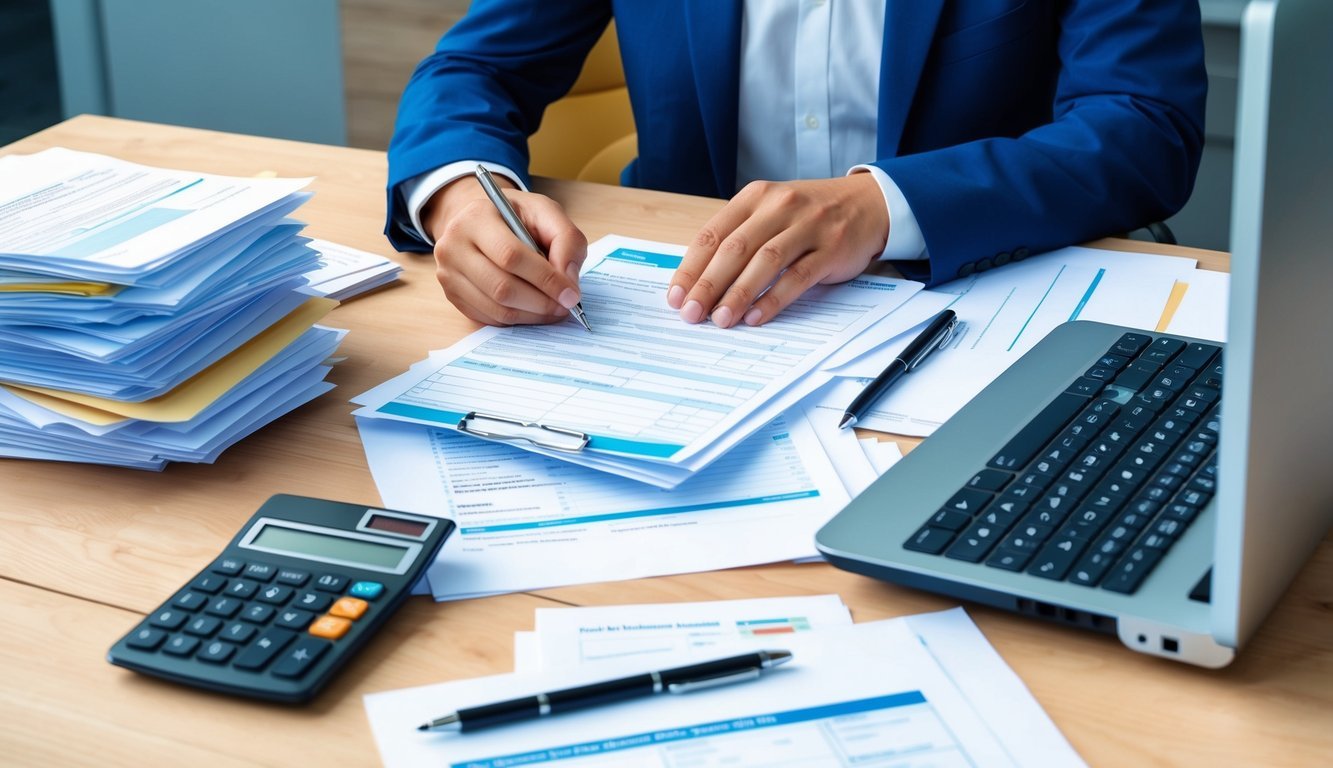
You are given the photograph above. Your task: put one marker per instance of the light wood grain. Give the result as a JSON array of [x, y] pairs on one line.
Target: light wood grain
[[86, 551]]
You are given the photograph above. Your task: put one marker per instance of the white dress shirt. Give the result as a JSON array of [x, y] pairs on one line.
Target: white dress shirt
[[809, 103]]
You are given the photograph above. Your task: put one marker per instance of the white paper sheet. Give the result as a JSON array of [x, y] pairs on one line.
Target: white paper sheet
[[1203, 309], [345, 272], [1004, 312], [529, 522], [867, 694], [596, 635]]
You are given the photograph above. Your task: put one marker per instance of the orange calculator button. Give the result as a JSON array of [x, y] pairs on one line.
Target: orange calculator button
[[332, 627], [349, 608]]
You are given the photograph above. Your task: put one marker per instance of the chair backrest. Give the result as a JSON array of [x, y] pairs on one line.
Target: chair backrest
[[589, 134]]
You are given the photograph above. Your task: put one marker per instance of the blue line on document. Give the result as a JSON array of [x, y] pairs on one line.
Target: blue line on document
[[636, 513], [1049, 288], [700, 731], [596, 386], [644, 257], [118, 233], [1083, 302]]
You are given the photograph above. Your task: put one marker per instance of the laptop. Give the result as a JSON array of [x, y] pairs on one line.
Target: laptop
[[1108, 480]]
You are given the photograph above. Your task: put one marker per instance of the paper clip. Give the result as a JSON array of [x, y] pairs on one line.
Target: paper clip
[[540, 435]]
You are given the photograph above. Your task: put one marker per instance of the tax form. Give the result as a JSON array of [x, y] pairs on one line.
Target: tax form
[[915, 692], [644, 386], [526, 521]]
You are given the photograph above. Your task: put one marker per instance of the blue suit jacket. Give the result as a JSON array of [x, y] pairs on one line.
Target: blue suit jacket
[[1011, 126]]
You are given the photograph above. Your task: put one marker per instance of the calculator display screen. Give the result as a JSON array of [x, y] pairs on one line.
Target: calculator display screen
[[277, 538]]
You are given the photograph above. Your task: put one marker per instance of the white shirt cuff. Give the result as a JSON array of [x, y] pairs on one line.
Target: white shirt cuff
[[905, 242], [417, 190]]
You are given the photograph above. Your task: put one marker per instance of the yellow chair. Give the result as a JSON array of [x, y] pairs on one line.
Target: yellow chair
[[589, 134]]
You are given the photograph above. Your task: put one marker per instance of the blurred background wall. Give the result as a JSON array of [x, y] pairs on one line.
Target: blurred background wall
[[331, 71]]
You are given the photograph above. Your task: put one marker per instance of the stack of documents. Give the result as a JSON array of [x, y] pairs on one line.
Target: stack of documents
[[150, 315], [657, 399], [925, 690], [346, 272]]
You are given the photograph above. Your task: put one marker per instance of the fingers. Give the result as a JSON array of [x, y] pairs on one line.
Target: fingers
[[493, 278]]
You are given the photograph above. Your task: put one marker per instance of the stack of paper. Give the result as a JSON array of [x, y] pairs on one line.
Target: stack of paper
[[346, 272], [150, 315], [924, 690], [658, 399]]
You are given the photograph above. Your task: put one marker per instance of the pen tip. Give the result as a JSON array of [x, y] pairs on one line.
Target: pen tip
[[423, 727], [847, 421]]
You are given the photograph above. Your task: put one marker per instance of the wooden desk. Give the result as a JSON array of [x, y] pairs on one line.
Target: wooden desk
[[87, 551]]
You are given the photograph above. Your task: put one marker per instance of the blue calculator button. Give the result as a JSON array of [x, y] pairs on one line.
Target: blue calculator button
[[367, 590]]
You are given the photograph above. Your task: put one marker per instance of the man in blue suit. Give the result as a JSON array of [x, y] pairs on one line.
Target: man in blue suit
[[950, 136]]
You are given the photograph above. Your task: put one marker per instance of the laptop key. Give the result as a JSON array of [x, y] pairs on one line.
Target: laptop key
[[950, 520], [1056, 558], [968, 501], [1130, 344], [1132, 569], [992, 480], [1038, 432], [931, 541], [976, 541]]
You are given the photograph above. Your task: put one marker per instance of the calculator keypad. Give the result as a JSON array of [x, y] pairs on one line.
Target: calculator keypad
[[257, 617]]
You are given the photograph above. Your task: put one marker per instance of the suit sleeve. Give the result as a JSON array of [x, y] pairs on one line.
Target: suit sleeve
[[484, 89], [1121, 151]]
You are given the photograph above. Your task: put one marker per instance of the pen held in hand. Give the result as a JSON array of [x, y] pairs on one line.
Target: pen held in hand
[[691, 677], [515, 225], [937, 333]]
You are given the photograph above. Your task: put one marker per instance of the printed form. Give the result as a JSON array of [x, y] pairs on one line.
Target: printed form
[[888, 693], [527, 521], [645, 386]]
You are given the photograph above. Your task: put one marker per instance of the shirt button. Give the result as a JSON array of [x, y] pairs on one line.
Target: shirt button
[[811, 122]]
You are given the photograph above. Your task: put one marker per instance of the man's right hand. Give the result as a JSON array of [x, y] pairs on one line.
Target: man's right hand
[[487, 272]]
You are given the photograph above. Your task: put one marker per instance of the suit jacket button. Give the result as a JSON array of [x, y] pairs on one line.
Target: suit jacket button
[[1002, 258], [984, 264], [967, 269], [1021, 253]]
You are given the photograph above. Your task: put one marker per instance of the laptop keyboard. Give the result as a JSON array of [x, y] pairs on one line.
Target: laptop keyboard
[[1096, 488]]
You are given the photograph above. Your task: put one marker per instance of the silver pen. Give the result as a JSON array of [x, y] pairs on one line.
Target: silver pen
[[516, 226]]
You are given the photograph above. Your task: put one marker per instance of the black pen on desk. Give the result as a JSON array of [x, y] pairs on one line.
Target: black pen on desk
[[936, 335], [692, 677], [516, 226]]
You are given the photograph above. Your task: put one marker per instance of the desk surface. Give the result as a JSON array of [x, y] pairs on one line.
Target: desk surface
[[87, 551]]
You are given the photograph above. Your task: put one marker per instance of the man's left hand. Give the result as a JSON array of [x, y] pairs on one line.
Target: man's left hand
[[773, 241]]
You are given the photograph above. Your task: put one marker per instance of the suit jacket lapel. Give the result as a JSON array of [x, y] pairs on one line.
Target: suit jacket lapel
[[713, 29], [910, 25]]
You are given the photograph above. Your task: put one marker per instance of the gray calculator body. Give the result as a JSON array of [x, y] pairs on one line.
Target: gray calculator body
[[300, 588]]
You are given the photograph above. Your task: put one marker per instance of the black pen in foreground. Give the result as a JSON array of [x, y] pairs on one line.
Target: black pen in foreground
[[691, 677], [516, 226], [936, 335]]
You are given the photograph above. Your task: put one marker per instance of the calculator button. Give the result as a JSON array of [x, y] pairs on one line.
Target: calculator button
[[243, 589], [367, 590], [237, 632], [168, 619], [228, 566], [331, 627], [257, 613], [349, 608], [191, 601], [301, 657], [312, 601], [331, 582], [275, 594], [181, 645], [264, 649], [216, 652], [203, 626], [146, 638], [260, 571], [226, 607], [208, 584], [294, 618], [294, 578]]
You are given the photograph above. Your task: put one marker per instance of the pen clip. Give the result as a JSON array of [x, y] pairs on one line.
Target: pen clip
[[714, 681], [540, 435], [946, 333]]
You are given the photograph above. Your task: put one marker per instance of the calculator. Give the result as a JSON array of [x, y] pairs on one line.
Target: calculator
[[304, 584]]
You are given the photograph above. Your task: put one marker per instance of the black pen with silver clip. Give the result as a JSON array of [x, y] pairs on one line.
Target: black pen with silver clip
[[692, 677], [515, 225], [936, 334]]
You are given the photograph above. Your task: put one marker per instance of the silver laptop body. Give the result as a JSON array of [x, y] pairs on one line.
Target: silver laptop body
[[1274, 495]]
